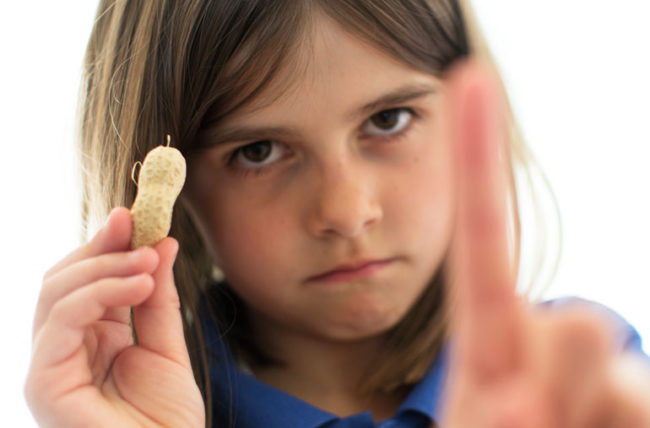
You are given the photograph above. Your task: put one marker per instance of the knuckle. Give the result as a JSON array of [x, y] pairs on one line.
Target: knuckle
[[582, 332], [148, 279], [46, 276], [30, 390], [58, 309], [61, 311], [45, 295]]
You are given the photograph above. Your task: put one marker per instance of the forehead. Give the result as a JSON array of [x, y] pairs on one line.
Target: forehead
[[334, 67]]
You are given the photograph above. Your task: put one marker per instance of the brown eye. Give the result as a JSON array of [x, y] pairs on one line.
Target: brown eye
[[257, 152], [388, 122], [257, 155], [386, 119]]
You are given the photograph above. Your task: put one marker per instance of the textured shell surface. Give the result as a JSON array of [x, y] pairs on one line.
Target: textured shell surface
[[163, 166], [160, 181]]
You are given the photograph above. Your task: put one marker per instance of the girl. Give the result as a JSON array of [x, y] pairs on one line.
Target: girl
[[344, 251]]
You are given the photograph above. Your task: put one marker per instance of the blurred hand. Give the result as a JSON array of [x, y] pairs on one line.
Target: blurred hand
[[513, 365], [86, 370]]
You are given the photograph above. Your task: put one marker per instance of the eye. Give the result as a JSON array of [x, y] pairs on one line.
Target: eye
[[388, 122], [257, 155]]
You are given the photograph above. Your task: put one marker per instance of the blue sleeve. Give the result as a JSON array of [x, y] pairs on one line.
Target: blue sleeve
[[628, 339]]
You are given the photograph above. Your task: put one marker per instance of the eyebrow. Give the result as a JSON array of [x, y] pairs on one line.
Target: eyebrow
[[401, 95], [395, 97]]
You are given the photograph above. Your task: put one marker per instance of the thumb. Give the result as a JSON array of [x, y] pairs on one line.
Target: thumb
[[158, 323]]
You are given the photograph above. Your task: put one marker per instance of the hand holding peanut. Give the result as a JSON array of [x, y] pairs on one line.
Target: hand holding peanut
[[86, 370]]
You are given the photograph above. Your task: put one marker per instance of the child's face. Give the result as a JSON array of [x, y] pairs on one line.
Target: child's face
[[322, 187]]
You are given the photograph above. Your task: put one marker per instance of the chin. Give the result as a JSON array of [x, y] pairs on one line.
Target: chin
[[365, 323]]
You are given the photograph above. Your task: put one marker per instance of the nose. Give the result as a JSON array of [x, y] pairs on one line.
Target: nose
[[345, 202]]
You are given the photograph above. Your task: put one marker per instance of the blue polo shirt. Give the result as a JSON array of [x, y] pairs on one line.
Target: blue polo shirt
[[242, 401]]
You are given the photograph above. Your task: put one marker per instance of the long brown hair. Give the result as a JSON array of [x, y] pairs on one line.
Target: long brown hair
[[164, 67]]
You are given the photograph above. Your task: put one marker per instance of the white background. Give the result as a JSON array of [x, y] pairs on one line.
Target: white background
[[578, 74]]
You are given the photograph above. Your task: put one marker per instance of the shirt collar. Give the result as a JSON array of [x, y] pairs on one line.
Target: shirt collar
[[426, 397], [248, 402], [252, 403]]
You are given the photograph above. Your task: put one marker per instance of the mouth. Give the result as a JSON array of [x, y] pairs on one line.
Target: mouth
[[351, 271]]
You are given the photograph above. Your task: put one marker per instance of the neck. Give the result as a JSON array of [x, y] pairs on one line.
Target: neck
[[325, 373]]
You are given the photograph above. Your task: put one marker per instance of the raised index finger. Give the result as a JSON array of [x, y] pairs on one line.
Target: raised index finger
[[486, 313]]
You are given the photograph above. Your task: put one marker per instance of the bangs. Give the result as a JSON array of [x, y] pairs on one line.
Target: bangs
[[428, 35], [265, 38], [263, 41]]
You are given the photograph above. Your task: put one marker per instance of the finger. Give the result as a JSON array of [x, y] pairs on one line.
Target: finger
[[63, 332], [158, 322], [572, 354], [516, 406], [87, 271], [114, 236], [514, 402], [629, 376], [487, 315]]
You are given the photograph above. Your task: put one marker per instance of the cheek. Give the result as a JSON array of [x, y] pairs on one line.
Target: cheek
[[250, 244], [426, 202], [243, 231]]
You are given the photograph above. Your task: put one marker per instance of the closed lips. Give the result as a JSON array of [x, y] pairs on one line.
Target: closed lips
[[351, 267]]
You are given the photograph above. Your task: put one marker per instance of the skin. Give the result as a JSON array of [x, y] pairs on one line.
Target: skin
[[512, 366], [85, 369], [333, 192]]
